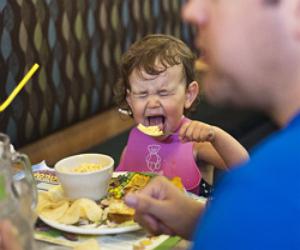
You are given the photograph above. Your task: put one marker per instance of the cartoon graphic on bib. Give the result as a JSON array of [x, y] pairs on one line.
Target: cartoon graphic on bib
[[153, 159]]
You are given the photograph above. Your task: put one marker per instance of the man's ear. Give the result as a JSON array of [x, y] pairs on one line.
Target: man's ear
[[191, 94], [297, 11], [292, 16]]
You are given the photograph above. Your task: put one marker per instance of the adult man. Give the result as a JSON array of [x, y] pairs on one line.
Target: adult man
[[253, 50]]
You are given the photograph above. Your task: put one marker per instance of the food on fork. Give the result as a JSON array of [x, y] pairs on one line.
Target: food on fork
[[150, 130]]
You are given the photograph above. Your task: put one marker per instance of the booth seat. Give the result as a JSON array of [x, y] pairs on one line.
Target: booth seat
[[67, 107]]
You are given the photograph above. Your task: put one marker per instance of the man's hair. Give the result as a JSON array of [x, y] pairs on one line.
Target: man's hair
[[149, 52]]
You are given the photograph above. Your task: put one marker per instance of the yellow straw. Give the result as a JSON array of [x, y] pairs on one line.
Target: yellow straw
[[16, 91]]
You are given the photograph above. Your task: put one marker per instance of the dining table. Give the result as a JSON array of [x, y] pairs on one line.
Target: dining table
[[50, 237], [176, 243]]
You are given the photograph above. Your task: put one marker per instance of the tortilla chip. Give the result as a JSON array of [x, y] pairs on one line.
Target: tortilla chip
[[55, 210], [139, 181], [44, 201], [57, 193], [71, 216], [119, 212], [177, 182], [119, 207], [89, 209], [119, 218]]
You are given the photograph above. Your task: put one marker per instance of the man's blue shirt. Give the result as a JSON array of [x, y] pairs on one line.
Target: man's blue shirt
[[257, 206]]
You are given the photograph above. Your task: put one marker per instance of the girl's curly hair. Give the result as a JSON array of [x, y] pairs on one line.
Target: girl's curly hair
[[145, 54]]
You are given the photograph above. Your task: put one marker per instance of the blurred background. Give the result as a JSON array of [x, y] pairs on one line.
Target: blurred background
[[68, 105]]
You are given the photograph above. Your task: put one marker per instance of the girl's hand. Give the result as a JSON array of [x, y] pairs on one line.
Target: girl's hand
[[196, 131]]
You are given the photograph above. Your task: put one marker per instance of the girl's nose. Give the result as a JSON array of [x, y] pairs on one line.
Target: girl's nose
[[153, 101]]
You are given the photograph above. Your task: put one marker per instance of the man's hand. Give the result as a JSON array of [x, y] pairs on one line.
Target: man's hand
[[163, 209]]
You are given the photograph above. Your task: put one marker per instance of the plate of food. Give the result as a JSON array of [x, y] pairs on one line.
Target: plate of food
[[93, 229], [109, 215]]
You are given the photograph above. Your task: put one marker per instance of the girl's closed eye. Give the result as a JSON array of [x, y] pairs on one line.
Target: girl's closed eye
[[140, 94], [164, 93]]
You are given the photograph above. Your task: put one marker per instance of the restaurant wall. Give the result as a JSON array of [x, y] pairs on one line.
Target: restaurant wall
[[78, 44]]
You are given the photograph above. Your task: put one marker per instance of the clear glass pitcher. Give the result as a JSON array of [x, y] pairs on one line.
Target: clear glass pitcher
[[17, 197]]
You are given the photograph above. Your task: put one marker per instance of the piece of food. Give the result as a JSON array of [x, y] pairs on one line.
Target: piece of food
[[54, 206], [138, 181], [142, 244], [119, 212], [177, 182], [89, 209], [85, 209], [125, 183], [54, 211], [71, 216], [150, 130], [56, 193], [87, 168], [44, 201]]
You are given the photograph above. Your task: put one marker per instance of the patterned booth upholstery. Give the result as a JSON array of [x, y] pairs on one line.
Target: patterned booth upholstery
[[78, 44]]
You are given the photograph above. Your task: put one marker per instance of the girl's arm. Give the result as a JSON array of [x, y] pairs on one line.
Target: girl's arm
[[229, 149], [121, 166], [213, 145]]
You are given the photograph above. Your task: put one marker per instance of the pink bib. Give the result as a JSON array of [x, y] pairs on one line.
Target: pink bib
[[169, 158]]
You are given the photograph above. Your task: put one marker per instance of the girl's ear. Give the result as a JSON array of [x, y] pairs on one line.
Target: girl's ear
[[191, 94], [128, 98]]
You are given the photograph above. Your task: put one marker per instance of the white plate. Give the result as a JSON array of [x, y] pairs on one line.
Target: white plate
[[103, 229], [89, 229]]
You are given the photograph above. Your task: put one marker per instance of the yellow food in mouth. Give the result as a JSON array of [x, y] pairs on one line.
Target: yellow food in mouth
[[150, 130]]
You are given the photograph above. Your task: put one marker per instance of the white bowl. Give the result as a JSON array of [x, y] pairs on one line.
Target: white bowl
[[92, 185]]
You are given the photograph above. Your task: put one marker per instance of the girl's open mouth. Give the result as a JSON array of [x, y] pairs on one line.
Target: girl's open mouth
[[157, 120]]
